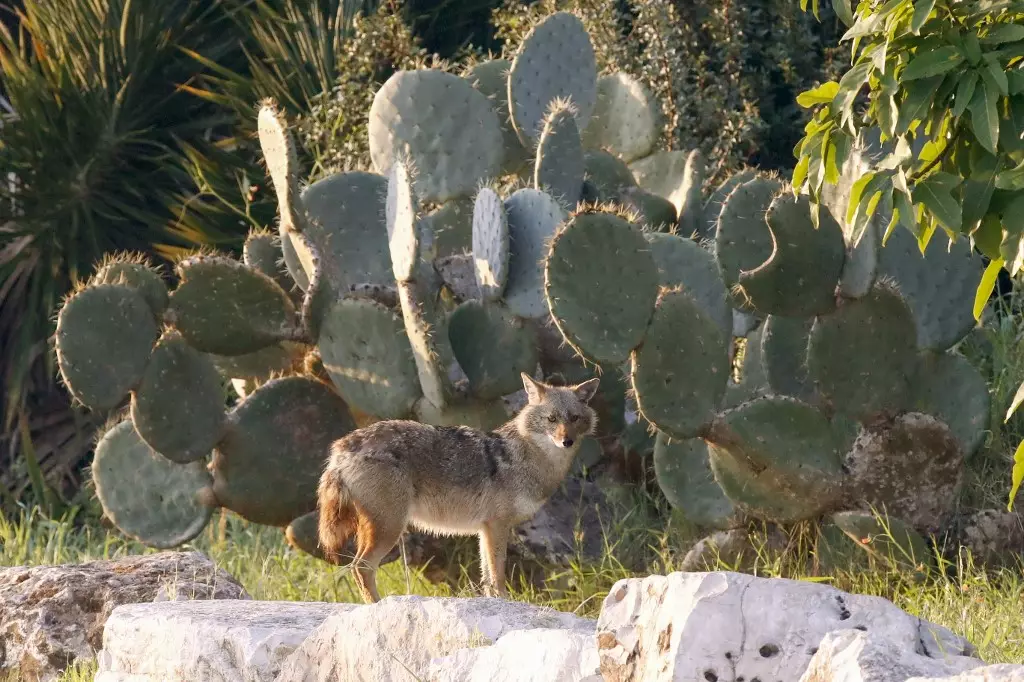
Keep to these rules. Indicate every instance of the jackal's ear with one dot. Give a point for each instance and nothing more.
(586, 390)
(534, 389)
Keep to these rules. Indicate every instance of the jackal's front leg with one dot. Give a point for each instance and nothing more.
(493, 550)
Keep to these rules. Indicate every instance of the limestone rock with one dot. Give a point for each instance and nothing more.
(402, 635)
(228, 641)
(994, 536)
(1003, 672)
(911, 468)
(857, 656)
(523, 656)
(727, 626)
(53, 616)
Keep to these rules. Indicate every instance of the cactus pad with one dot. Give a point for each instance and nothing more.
(491, 79)
(401, 210)
(800, 277)
(685, 477)
(293, 261)
(347, 225)
(886, 538)
(655, 212)
(445, 128)
(682, 262)
(484, 415)
(624, 121)
(452, 228)
(608, 175)
(105, 334)
(492, 347)
(759, 494)
(279, 357)
(368, 357)
(267, 466)
(743, 240)
(261, 253)
(862, 357)
(939, 286)
(303, 534)
(224, 307)
(950, 388)
(716, 202)
(555, 61)
(282, 161)
(146, 495)
(791, 446)
(559, 166)
(490, 244)
(784, 355)
(178, 407)
(426, 349)
(138, 276)
(604, 318)
(681, 370)
(533, 217)
(861, 268)
(660, 173)
(688, 197)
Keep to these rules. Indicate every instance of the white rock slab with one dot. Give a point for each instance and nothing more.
(400, 637)
(523, 656)
(1002, 672)
(226, 640)
(723, 626)
(857, 656)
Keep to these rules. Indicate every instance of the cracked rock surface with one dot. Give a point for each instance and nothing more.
(731, 627)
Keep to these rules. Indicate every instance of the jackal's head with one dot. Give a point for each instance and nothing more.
(559, 413)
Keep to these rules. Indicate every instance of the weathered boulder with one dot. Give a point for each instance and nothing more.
(53, 616)
(523, 656)
(727, 626)
(403, 635)
(228, 641)
(858, 656)
(1003, 672)
(994, 536)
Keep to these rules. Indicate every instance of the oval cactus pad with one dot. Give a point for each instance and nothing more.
(224, 307)
(105, 334)
(601, 316)
(862, 357)
(146, 495)
(491, 79)
(684, 263)
(950, 388)
(743, 240)
(492, 347)
(178, 407)
(533, 217)
(367, 354)
(267, 466)
(400, 211)
(490, 244)
(139, 276)
(625, 120)
(445, 128)
(560, 164)
(681, 369)
(555, 61)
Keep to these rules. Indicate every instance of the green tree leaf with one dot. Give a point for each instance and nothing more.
(823, 94)
(964, 92)
(995, 75)
(1004, 33)
(844, 10)
(935, 195)
(986, 287)
(1012, 179)
(922, 8)
(1017, 476)
(1018, 398)
(1011, 128)
(917, 102)
(933, 63)
(985, 115)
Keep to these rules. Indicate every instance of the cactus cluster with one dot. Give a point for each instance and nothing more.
(519, 219)
(851, 401)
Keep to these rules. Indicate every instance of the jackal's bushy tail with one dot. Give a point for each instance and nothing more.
(338, 520)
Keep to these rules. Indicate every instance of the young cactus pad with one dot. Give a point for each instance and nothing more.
(138, 276)
(555, 61)
(490, 244)
(401, 211)
(951, 388)
(178, 407)
(533, 217)
(491, 79)
(224, 307)
(146, 495)
(783, 352)
(604, 318)
(683, 262)
(105, 334)
(367, 354)
(267, 466)
(681, 369)
(800, 277)
(625, 120)
(493, 348)
(685, 477)
(559, 164)
(743, 240)
(445, 128)
(261, 253)
(862, 357)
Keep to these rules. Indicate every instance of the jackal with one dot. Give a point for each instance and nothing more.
(450, 480)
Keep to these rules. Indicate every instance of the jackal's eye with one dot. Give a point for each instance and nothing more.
(552, 418)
